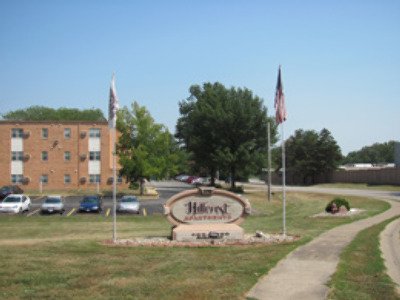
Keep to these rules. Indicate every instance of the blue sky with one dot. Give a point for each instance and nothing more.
(340, 59)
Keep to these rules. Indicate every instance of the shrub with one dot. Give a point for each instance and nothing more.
(134, 185)
(339, 202)
(237, 189)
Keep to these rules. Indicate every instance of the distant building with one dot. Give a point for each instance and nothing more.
(56, 155)
(366, 166)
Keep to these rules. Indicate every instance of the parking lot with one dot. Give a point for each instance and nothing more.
(147, 207)
(71, 204)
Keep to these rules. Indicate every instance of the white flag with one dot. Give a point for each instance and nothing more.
(113, 105)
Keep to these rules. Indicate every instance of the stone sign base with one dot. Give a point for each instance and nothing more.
(201, 232)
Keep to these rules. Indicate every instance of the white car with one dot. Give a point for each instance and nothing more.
(128, 204)
(15, 204)
(202, 181)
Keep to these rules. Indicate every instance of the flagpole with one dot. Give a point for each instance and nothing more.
(114, 186)
(283, 180)
(280, 119)
(112, 117)
(269, 161)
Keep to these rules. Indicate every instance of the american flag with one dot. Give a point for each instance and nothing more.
(113, 105)
(280, 100)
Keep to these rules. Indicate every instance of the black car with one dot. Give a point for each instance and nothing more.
(91, 204)
(9, 189)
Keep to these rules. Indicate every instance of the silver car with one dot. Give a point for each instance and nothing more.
(129, 204)
(53, 204)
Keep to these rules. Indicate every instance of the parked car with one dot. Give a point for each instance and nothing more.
(15, 203)
(53, 204)
(8, 190)
(91, 203)
(202, 181)
(190, 179)
(128, 204)
(182, 177)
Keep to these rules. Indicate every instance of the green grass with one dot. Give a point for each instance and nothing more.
(361, 272)
(47, 257)
(360, 186)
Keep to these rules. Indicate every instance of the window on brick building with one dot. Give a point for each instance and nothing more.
(94, 178)
(67, 179)
(17, 155)
(67, 133)
(17, 178)
(67, 156)
(45, 133)
(94, 155)
(45, 156)
(44, 178)
(94, 132)
(17, 133)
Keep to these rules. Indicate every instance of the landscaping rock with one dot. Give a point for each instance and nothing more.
(259, 238)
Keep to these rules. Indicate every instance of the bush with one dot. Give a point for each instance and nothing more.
(134, 185)
(237, 189)
(339, 202)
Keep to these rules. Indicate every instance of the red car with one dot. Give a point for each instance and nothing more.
(190, 179)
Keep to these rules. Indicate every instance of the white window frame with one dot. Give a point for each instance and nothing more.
(45, 133)
(94, 132)
(17, 178)
(67, 133)
(67, 179)
(17, 133)
(44, 178)
(94, 178)
(47, 156)
(67, 156)
(17, 155)
(95, 155)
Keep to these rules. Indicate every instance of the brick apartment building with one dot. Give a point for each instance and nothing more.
(56, 155)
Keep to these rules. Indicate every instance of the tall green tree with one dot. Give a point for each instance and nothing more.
(146, 149)
(376, 153)
(43, 113)
(224, 129)
(309, 154)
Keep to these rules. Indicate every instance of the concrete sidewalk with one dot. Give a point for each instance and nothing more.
(304, 273)
(390, 246)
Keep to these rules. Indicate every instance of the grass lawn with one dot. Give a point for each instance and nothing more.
(360, 186)
(361, 271)
(49, 257)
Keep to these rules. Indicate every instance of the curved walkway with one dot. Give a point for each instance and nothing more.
(304, 273)
(390, 246)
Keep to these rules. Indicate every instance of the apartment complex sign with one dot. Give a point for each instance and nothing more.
(204, 212)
